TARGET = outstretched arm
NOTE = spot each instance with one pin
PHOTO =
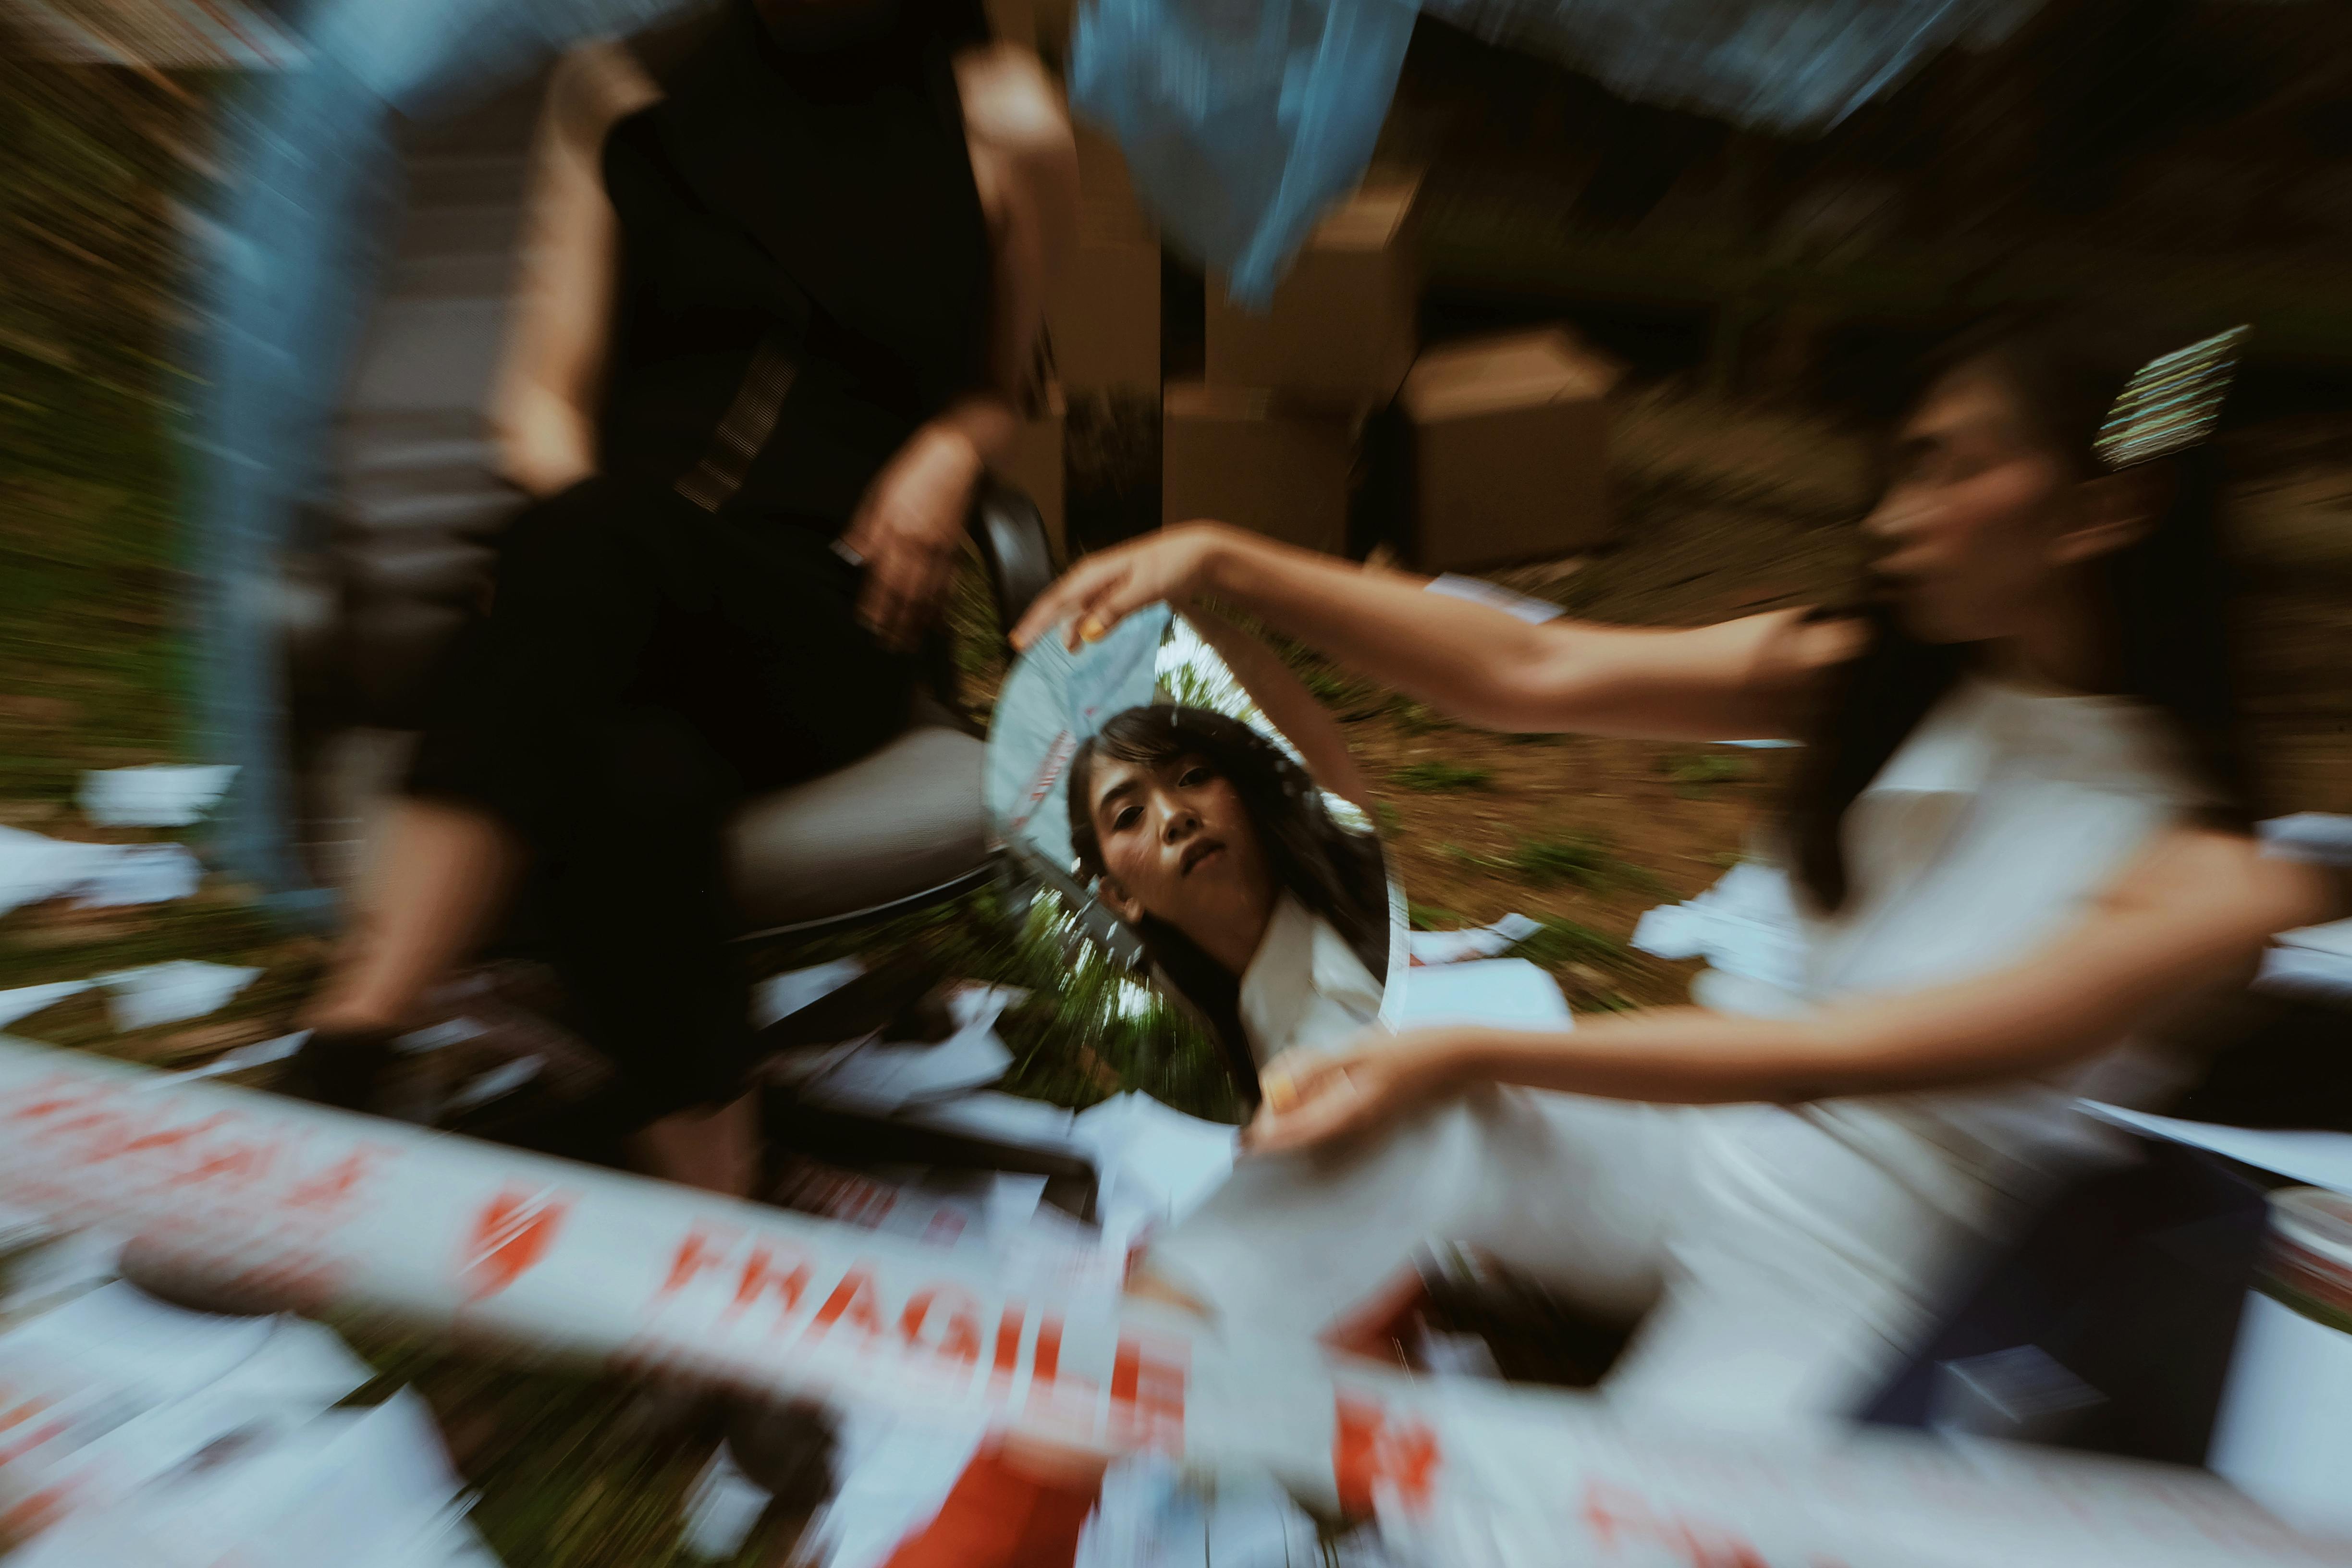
(2193, 912)
(1741, 679)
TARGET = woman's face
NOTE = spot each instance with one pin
(1973, 534)
(1178, 845)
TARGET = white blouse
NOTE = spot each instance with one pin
(1989, 833)
(1305, 986)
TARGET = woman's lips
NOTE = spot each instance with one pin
(1195, 853)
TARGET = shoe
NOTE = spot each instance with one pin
(346, 1069)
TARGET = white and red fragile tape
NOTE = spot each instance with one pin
(316, 1208)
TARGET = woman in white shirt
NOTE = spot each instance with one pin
(2021, 829)
(2020, 826)
(1258, 908)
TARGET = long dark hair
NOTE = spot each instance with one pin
(2169, 594)
(1336, 874)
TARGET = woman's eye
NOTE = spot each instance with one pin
(1194, 778)
(1129, 816)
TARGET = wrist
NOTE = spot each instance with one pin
(1448, 1061)
(1221, 548)
(956, 454)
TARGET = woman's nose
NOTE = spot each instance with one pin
(1179, 824)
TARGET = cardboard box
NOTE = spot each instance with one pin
(1341, 331)
(1013, 21)
(1055, 20)
(1510, 450)
(1108, 208)
(1034, 466)
(1104, 317)
(1234, 454)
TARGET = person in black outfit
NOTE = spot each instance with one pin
(772, 324)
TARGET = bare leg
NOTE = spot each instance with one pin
(717, 1150)
(440, 873)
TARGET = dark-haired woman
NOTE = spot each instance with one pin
(2023, 832)
(776, 312)
(1255, 904)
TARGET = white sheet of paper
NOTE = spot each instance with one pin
(2320, 837)
(166, 992)
(1747, 924)
(1006, 1118)
(2284, 1435)
(780, 996)
(879, 1079)
(27, 1000)
(2289, 971)
(252, 1056)
(163, 796)
(721, 1508)
(123, 1337)
(140, 874)
(32, 867)
(895, 1475)
(1479, 941)
(1499, 992)
(1155, 1164)
(1012, 1200)
(2316, 1159)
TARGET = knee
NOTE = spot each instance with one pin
(652, 771)
(551, 540)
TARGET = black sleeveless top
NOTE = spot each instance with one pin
(804, 265)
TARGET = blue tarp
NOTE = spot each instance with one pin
(1244, 121)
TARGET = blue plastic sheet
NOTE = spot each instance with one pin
(1244, 121)
(284, 279)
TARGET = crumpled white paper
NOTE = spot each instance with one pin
(162, 796)
(177, 1438)
(166, 992)
(34, 868)
(1477, 941)
(1748, 924)
(27, 1000)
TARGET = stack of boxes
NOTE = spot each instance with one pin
(1267, 439)
(1510, 450)
(1507, 435)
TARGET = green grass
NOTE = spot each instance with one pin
(1435, 776)
(1429, 917)
(89, 672)
(1696, 775)
(1586, 861)
(1563, 941)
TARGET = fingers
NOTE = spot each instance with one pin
(1313, 1103)
(1071, 602)
(903, 584)
(1294, 1077)
(1329, 1116)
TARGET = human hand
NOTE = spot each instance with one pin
(1314, 1097)
(907, 533)
(1097, 593)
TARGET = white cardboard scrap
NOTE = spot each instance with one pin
(163, 796)
(1477, 941)
(1499, 992)
(780, 996)
(2316, 1158)
(166, 992)
(721, 1508)
(27, 1000)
